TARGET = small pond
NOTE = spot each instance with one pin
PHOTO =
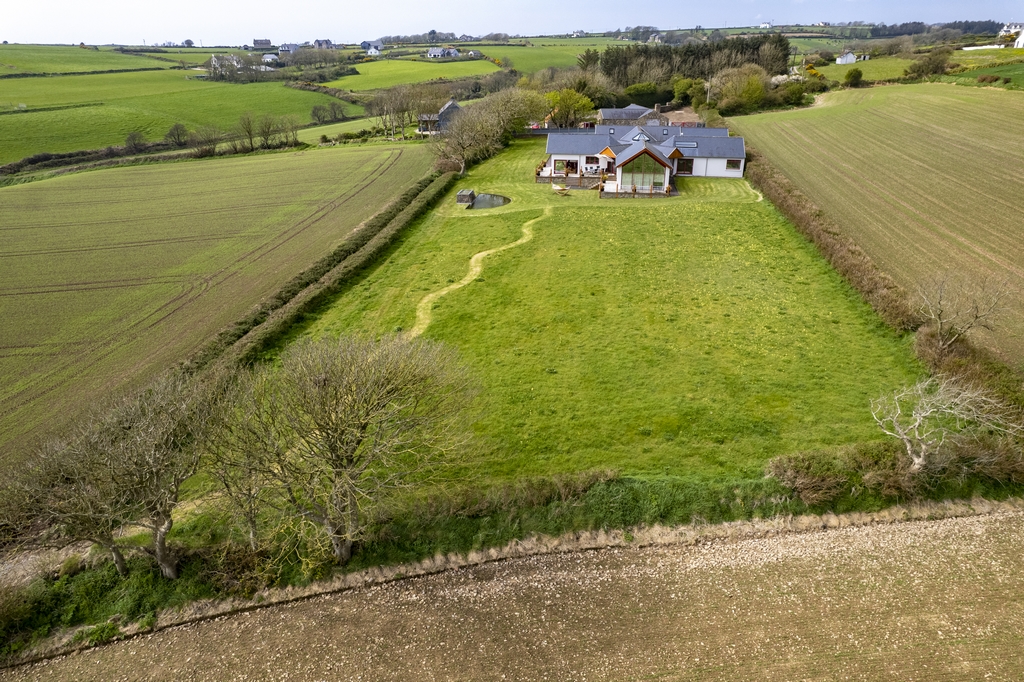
(489, 201)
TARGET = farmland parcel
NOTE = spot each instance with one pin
(926, 178)
(110, 276)
(691, 337)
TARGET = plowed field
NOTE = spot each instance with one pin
(109, 276)
(927, 179)
(936, 600)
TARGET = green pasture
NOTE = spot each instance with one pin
(689, 337)
(15, 59)
(148, 101)
(976, 59)
(109, 276)
(881, 68)
(545, 52)
(389, 72)
(926, 178)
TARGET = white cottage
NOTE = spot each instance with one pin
(641, 159)
(846, 58)
(1019, 43)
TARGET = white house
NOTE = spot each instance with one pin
(641, 159)
(765, 24)
(1011, 29)
(372, 52)
(1019, 43)
(269, 58)
(846, 57)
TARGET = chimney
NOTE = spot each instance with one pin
(657, 108)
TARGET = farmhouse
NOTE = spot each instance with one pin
(632, 115)
(442, 52)
(372, 52)
(1010, 29)
(432, 124)
(846, 57)
(261, 43)
(640, 160)
(288, 48)
(323, 44)
(269, 58)
(371, 45)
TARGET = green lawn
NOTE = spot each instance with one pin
(546, 52)
(112, 275)
(149, 101)
(695, 336)
(925, 178)
(385, 73)
(66, 59)
(881, 68)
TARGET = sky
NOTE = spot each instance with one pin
(347, 21)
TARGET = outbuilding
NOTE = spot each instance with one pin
(846, 57)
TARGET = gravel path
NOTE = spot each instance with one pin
(931, 600)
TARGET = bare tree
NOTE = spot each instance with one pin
(241, 448)
(69, 492)
(955, 307)
(345, 423)
(290, 125)
(204, 140)
(468, 137)
(267, 128)
(177, 135)
(247, 129)
(152, 440)
(135, 142)
(926, 415)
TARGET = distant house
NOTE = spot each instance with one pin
(655, 38)
(368, 45)
(442, 52)
(466, 38)
(432, 124)
(1019, 43)
(221, 61)
(846, 57)
(260, 44)
(323, 45)
(372, 52)
(1011, 29)
(579, 34)
(632, 115)
(641, 160)
(269, 58)
(288, 48)
(474, 54)
(765, 24)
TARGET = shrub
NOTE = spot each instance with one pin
(792, 94)
(853, 78)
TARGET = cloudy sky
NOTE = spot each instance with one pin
(237, 23)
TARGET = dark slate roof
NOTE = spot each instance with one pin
(633, 111)
(691, 142)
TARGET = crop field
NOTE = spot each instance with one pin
(926, 178)
(975, 59)
(545, 52)
(112, 275)
(385, 73)
(19, 59)
(1015, 72)
(106, 107)
(878, 69)
(692, 337)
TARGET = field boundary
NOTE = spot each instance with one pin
(637, 537)
(55, 74)
(355, 253)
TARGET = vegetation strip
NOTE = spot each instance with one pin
(635, 538)
(361, 250)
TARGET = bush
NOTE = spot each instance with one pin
(792, 94)
(853, 78)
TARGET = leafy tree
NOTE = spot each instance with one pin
(934, 63)
(135, 142)
(590, 59)
(569, 108)
(189, 43)
(853, 78)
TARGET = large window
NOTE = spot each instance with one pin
(733, 164)
(685, 166)
(643, 172)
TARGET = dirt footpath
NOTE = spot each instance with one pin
(931, 600)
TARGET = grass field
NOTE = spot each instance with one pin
(980, 58)
(694, 337)
(109, 276)
(882, 68)
(926, 178)
(384, 74)
(72, 59)
(149, 101)
(1015, 72)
